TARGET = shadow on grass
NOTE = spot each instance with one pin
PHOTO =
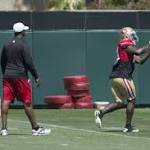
(111, 129)
(21, 134)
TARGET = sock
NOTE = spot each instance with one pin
(36, 128)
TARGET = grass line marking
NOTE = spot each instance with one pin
(83, 130)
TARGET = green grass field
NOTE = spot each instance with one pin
(76, 130)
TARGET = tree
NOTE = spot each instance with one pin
(66, 4)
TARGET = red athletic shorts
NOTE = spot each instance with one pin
(17, 89)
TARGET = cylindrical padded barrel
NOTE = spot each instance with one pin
(81, 105)
(84, 99)
(67, 106)
(58, 99)
(78, 94)
(77, 86)
(69, 80)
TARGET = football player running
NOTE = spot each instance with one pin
(122, 84)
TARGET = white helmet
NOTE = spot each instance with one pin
(130, 33)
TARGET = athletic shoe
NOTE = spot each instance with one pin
(4, 132)
(41, 131)
(130, 128)
(98, 118)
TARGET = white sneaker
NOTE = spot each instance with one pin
(98, 118)
(130, 129)
(41, 131)
(4, 132)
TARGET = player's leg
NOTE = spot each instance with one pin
(31, 115)
(130, 106)
(116, 90)
(129, 114)
(8, 96)
(25, 94)
(4, 114)
(36, 129)
(109, 108)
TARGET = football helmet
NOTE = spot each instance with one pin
(129, 32)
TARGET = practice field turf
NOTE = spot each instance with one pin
(76, 130)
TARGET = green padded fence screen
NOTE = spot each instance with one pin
(75, 52)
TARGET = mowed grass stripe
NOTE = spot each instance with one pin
(87, 130)
(76, 130)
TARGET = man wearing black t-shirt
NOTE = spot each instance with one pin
(16, 62)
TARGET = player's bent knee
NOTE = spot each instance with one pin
(28, 105)
(120, 104)
(119, 101)
(131, 100)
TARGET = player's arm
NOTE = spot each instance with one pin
(137, 51)
(29, 63)
(3, 60)
(140, 59)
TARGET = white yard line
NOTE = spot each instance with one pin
(85, 130)
(9, 128)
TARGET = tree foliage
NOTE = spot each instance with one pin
(66, 4)
(40, 5)
(119, 4)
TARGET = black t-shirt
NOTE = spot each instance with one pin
(122, 69)
(16, 59)
(124, 66)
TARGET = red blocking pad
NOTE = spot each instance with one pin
(84, 99)
(82, 105)
(69, 80)
(58, 99)
(78, 94)
(67, 106)
(78, 86)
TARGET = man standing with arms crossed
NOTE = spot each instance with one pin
(16, 61)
